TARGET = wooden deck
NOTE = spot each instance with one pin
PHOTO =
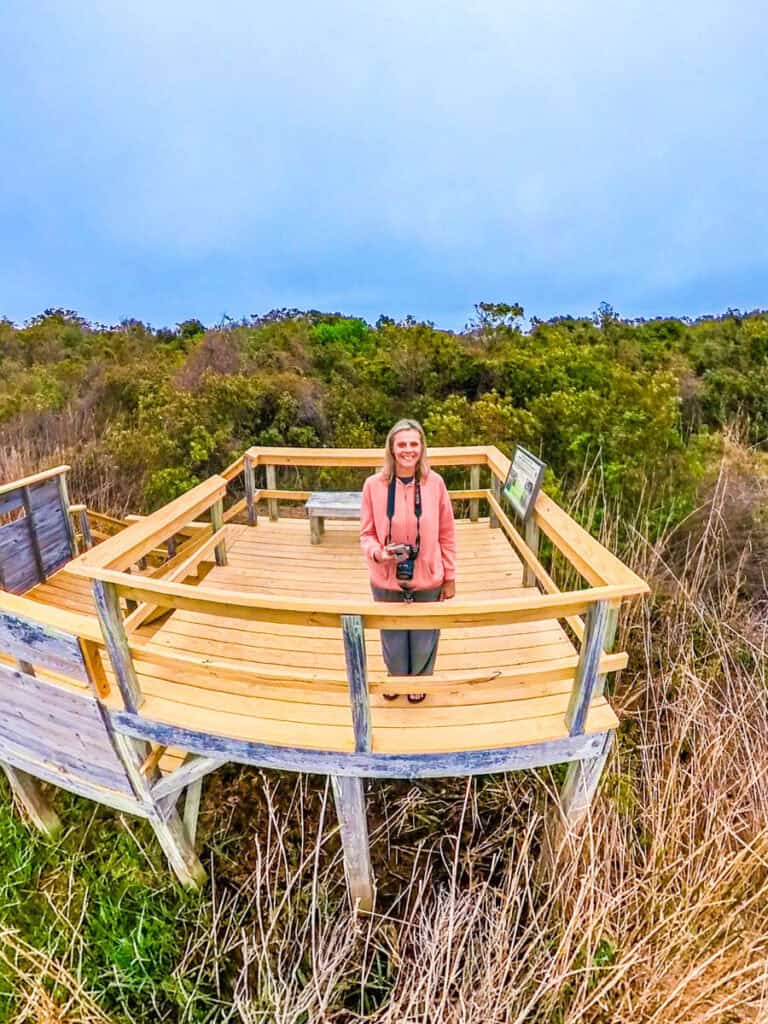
(310, 707)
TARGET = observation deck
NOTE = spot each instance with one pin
(206, 639)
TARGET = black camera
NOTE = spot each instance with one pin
(404, 569)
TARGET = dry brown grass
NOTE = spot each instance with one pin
(655, 914)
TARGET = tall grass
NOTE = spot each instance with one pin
(655, 912)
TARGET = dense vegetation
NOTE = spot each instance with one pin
(658, 915)
(154, 411)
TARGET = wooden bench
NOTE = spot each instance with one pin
(324, 505)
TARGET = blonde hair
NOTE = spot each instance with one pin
(390, 464)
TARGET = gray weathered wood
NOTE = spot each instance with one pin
(334, 504)
(32, 642)
(217, 522)
(34, 545)
(46, 722)
(27, 791)
(85, 529)
(581, 782)
(250, 489)
(349, 794)
(193, 768)
(165, 820)
(272, 505)
(353, 632)
(10, 503)
(474, 484)
(192, 809)
(172, 836)
(586, 671)
(316, 529)
(61, 481)
(532, 540)
(108, 607)
(365, 765)
(608, 643)
(20, 571)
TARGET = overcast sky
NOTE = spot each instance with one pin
(167, 160)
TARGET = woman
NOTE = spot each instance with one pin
(408, 536)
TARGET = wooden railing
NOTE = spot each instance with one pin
(108, 567)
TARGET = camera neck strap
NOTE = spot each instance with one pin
(392, 491)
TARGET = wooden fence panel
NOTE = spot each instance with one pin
(36, 644)
(18, 561)
(59, 728)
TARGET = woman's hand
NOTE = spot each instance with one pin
(448, 591)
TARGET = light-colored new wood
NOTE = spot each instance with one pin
(125, 548)
(36, 478)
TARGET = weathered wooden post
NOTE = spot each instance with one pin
(349, 792)
(474, 503)
(165, 820)
(250, 489)
(61, 481)
(532, 540)
(217, 521)
(272, 486)
(583, 776)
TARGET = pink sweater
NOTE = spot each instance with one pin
(437, 554)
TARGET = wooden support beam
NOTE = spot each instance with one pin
(81, 511)
(250, 490)
(108, 607)
(353, 632)
(608, 644)
(195, 767)
(165, 820)
(587, 671)
(580, 786)
(217, 523)
(61, 481)
(349, 796)
(27, 791)
(192, 808)
(474, 483)
(532, 540)
(274, 508)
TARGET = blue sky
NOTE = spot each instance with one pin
(173, 160)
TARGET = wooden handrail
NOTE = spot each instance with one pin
(267, 607)
(594, 562)
(141, 537)
(362, 457)
(36, 478)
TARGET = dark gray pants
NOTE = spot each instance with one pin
(409, 652)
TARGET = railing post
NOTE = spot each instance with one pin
(496, 491)
(85, 527)
(250, 489)
(108, 607)
(474, 503)
(217, 522)
(348, 792)
(61, 481)
(532, 540)
(608, 644)
(585, 681)
(353, 631)
(272, 486)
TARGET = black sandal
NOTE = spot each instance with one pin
(416, 698)
(390, 696)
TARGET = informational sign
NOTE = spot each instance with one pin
(523, 481)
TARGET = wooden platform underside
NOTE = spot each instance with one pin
(277, 558)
